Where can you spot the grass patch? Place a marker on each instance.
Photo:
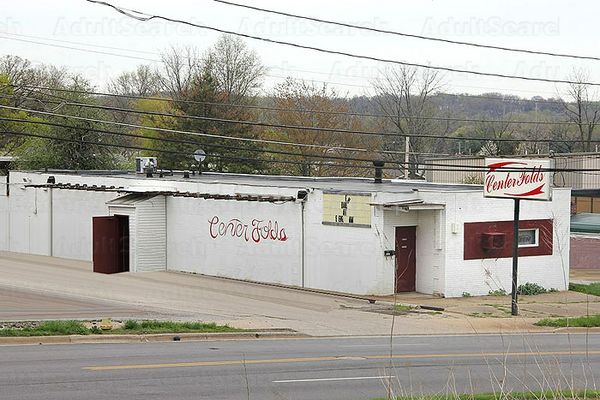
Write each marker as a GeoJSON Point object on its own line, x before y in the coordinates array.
{"type": "Point", "coordinates": [60, 328]}
{"type": "Point", "coordinates": [497, 292]}
{"type": "Point", "coordinates": [592, 288]}
{"type": "Point", "coordinates": [584, 322]}
{"type": "Point", "coordinates": [403, 308]}
{"type": "Point", "coordinates": [534, 395]}
{"type": "Point", "coordinates": [135, 327]}
{"type": "Point", "coordinates": [49, 328]}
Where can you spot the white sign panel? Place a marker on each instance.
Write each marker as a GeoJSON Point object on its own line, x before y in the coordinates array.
{"type": "Point", "coordinates": [519, 178]}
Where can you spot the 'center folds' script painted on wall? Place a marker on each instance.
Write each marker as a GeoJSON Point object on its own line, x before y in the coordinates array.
{"type": "Point", "coordinates": [258, 230]}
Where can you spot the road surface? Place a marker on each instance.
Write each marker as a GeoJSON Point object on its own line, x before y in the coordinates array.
{"type": "Point", "coordinates": [314, 368]}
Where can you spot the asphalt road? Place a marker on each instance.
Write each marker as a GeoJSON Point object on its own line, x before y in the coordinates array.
{"type": "Point", "coordinates": [331, 368]}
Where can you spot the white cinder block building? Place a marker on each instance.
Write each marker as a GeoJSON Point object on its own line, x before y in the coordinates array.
{"type": "Point", "coordinates": [342, 234]}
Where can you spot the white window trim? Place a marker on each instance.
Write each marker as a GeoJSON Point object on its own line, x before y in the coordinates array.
{"type": "Point", "coordinates": [537, 238]}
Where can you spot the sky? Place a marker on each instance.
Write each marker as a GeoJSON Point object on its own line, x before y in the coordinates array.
{"type": "Point", "coordinates": [555, 26]}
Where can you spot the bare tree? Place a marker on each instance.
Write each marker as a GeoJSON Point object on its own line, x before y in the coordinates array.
{"type": "Point", "coordinates": [238, 71]}
{"type": "Point", "coordinates": [142, 82]}
{"type": "Point", "coordinates": [181, 67]}
{"type": "Point", "coordinates": [297, 101]}
{"type": "Point", "coordinates": [495, 135]}
{"type": "Point", "coordinates": [582, 111]}
{"type": "Point", "coordinates": [404, 95]}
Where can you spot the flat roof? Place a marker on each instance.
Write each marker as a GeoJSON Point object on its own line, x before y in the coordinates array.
{"type": "Point", "coordinates": [337, 184]}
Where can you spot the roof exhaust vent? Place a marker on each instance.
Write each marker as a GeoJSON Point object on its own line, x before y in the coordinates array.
{"type": "Point", "coordinates": [378, 170]}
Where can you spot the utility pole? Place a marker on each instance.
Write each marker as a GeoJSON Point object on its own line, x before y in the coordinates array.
{"type": "Point", "coordinates": [406, 157]}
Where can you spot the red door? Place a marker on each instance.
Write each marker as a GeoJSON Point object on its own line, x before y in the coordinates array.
{"type": "Point", "coordinates": [406, 260]}
{"type": "Point", "coordinates": [106, 245]}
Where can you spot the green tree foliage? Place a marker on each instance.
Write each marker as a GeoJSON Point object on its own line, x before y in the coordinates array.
{"type": "Point", "coordinates": [77, 146]}
{"type": "Point", "coordinates": [9, 139]}
{"type": "Point", "coordinates": [148, 137]}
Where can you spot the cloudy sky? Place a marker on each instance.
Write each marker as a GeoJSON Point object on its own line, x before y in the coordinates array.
{"type": "Point", "coordinates": [555, 26]}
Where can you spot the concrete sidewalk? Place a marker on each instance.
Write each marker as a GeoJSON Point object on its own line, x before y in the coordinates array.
{"type": "Point", "coordinates": [239, 304]}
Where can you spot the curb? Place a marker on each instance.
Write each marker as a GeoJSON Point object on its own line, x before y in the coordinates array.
{"type": "Point", "coordinates": [156, 337]}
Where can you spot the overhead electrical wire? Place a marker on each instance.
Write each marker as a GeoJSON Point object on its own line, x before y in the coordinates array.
{"type": "Point", "coordinates": [422, 167]}
{"type": "Point", "coordinates": [182, 141]}
{"type": "Point", "coordinates": [144, 17]}
{"type": "Point", "coordinates": [410, 35]}
{"type": "Point", "coordinates": [276, 76]}
{"type": "Point", "coordinates": [255, 123]}
{"type": "Point", "coordinates": [150, 59]}
{"type": "Point", "coordinates": [305, 127]}
{"type": "Point", "coordinates": [201, 134]}
{"type": "Point", "coordinates": [445, 167]}
{"type": "Point", "coordinates": [256, 107]}
{"type": "Point", "coordinates": [318, 129]}
{"type": "Point", "coordinates": [124, 146]}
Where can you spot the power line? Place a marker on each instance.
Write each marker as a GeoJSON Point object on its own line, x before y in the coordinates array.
{"type": "Point", "coordinates": [144, 58]}
{"type": "Point", "coordinates": [302, 127]}
{"type": "Point", "coordinates": [421, 167]}
{"type": "Point", "coordinates": [268, 75]}
{"type": "Point", "coordinates": [144, 17]}
{"type": "Point", "coordinates": [77, 43]}
{"type": "Point", "coordinates": [396, 33]}
{"type": "Point", "coordinates": [329, 130]}
{"type": "Point", "coordinates": [76, 48]}
{"type": "Point", "coordinates": [310, 111]}
{"type": "Point", "coordinates": [183, 141]}
{"type": "Point", "coordinates": [131, 147]}
{"type": "Point", "coordinates": [276, 142]}
{"type": "Point", "coordinates": [499, 140]}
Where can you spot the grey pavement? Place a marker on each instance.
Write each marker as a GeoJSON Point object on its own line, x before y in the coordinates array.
{"type": "Point", "coordinates": [31, 305]}
{"type": "Point", "coordinates": [240, 304]}
{"type": "Point", "coordinates": [315, 368]}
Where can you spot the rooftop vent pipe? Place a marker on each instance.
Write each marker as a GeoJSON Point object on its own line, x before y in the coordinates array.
{"type": "Point", "coordinates": [378, 170]}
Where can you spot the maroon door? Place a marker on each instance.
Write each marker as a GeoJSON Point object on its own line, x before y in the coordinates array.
{"type": "Point", "coordinates": [106, 245]}
{"type": "Point", "coordinates": [406, 260]}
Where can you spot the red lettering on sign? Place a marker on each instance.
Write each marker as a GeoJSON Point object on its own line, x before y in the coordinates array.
{"type": "Point", "coordinates": [258, 230]}
{"type": "Point", "coordinates": [515, 180]}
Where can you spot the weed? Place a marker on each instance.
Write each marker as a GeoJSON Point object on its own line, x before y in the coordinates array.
{"type": "Point", "coordinates": [403, 308]}
{"type": "Point", "coordinates": [530, 289]}
{"type": "Point", "coordinates": [530, 395]}
{"type": "Point", "coordinates": [497, 292]}
{"type": "Point", "coordinates": [49, 328]}
{"type": "Point", "coordinates": [172, 327]}
{"type": "Point", "coordinates": [52, 328]}
{"type": "Point", "coordinates": [131, 325]}
{"type": "Point", "coordinates": [95, 330]}
{"type": "Point", "coordinates": [466, 294]}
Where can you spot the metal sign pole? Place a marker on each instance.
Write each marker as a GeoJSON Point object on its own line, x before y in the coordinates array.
{"type": "Point", "coordinates": [515, 255]}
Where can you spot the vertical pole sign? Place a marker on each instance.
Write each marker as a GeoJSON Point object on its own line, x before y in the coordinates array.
{"type": "Point", "coordinates": [517, 179]}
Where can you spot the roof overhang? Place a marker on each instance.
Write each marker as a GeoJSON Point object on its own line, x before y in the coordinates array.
{"type": "Point", "coordinates": [409, 205]}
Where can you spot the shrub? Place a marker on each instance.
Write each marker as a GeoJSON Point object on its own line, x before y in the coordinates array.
{"type": "Point", "coordinates": [497, 292]}
{"type": "Point", "coordinates": [95, 330]}
{"type": "Point", "coordinates": [466, 294]}
{"type": "Point", "coordinates": [530, 289]}
{"type": "Point", "coordinates": [131, 325]}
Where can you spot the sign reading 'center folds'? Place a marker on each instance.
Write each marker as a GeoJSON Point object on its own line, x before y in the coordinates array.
{"type": "Point", "coordinates": [527, 179]}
